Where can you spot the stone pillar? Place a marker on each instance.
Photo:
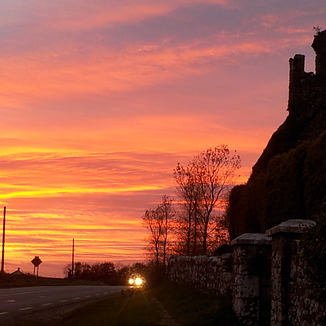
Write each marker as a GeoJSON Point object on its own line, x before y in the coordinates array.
{"type": "Point", "coordinates": [251, 292]}
{"type": "Point", "coordinates": [319, 45]}
{"type": "Point", "coordinates": [283, 236]}
{"type": "Point", "coordinates": [297, 74]}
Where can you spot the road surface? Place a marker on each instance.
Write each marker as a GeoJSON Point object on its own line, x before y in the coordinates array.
{"type": "Point", "coordinates": [16, 302]}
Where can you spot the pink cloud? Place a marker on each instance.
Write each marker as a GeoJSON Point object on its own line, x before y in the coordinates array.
{"type": "Point", "coordinates": [99, 102]}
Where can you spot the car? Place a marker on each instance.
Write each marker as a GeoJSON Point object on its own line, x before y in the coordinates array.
{"type": "Point", "coordinates": [136, 280]}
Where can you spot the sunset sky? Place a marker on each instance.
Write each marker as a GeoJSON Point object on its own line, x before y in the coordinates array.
{"type": "Point", "coordinates": [100, 100]}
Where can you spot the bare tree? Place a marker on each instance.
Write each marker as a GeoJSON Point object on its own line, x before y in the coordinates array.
{"type": "Point", "coordinates": [159, 223]}
{"type": "Point", "coordinates": [186, 230]}
{"type": "Point", "coordinates": [150, 222]}
{"type": "Point", "coordinates": [201, 186]}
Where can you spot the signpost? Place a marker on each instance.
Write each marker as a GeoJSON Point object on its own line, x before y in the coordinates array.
{"type": "Point", "coordinates": [36, 262]}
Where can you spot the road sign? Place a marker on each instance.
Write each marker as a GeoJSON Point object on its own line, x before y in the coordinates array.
{"type": "Point", "coordinates": [36, 261]}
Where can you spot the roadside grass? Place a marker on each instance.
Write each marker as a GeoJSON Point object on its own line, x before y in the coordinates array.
{"type": "Point", "coordinates": [185, 306]}
{"type": "Point", "coordinates": [138, 309]}
{"type": "Point", "coordinates": [190, 308]}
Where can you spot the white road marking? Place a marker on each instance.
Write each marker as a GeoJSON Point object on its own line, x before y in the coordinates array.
{"type": "Point", "coordinates": [3, 313]}
{"type": "Point", "coordinates": [77, 298]}
{"type": "Point", "coordinates": [46, 304]}
{"type": "Point", "coordinates": [63, 301]}
{"type": "Point", "coordinates": [27, 308]}
{"type": "Point", "coordinates": [27, 292]}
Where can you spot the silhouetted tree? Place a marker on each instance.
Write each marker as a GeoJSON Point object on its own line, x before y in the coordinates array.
{"type": "Point", "coordinates": [98, 271]}
{"type": "Point", "coordinates": [123, 273]}
{"type": "Point", "coordinates": [201, 185]}
{"type": "Point", "coordinates": [139, 268]}
{"type": "Point", "coordinates": [101, 271]}
{"type": "Point", "coordinates": [158, 222]}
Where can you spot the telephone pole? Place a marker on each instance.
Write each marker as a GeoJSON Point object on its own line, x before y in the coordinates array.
{"type": "Point", "coordinates": [73, 258]}
{"type": "Point", "coordinates": [3, 241]}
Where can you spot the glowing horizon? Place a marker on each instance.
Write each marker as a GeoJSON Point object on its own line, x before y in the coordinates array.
{"type": "Point", "coordinates": [100, 101]}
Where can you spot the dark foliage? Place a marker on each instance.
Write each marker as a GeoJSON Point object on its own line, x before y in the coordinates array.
{"type": "Point", "coordinates": [291, 187]}
{"type": "Point", "coordinates": [314, 242]}
{"type": "Point", "coordinates": [105, 272]}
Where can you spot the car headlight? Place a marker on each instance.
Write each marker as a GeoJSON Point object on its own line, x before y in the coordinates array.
{"type": "Point", "coordinates": [138, 281]}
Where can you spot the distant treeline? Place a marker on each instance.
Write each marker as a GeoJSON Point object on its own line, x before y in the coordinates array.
{"type": "Point", "coordinates": [105, 272]}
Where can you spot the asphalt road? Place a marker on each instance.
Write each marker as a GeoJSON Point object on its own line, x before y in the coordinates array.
{"type": "Point", "coordinates": [16, 302]}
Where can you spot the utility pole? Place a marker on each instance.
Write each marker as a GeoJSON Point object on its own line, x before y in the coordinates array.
{"type": "Point", "coordinates": [3, 241]}
{"type": "Point", "coordinates": [73, 258]}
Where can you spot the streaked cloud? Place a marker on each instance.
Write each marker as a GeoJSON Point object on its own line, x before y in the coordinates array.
{"type": "Point", "coordinates": [100, 100]}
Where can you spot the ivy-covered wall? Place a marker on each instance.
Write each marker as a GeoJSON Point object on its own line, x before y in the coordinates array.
{"type": "Point", "coordinates": [293, 186]}
{"type": "Point", "coordinates": [289, 179]}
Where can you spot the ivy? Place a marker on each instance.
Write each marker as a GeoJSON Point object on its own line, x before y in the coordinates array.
{"type": "Point", "coordinates": [314, 243]}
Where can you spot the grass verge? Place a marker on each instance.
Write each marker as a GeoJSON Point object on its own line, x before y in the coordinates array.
{"type": "Point", "coordinates": [190, 308]}
{"type": "Point", "coordinates": [187, 308]}
{"type": "Point", "coordinates": [138, 309]}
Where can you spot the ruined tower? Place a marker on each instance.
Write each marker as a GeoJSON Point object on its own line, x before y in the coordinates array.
{"type": "Point", "coordinates": [306, 90]}
{"type": "Point", "coordinates": [288, 180]}
{"type": "Point", "coordinates": [319, 45]}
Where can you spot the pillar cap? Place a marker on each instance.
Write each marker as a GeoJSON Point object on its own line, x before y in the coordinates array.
{"type": "Point", "coordinates": [252, 239]}
{"type": "Point", "coordinates": [291, 226]}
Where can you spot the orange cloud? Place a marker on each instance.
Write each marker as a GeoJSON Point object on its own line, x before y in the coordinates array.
{"type": "Point", "coordinates": [100, 101]}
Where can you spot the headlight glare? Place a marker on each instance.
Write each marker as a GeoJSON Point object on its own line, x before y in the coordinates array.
{"type": "Point", "coordinates": [138, 281]}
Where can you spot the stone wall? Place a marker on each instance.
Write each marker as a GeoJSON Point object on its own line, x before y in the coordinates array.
{"type": "Point", "coordinates": [211, 275]}
{"type": "Point", "coordinates": [293, 299]}
{"type": "Point", "coordinates": [304, 310]}
{"type": "Point", "coordinates": [264, 276]}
